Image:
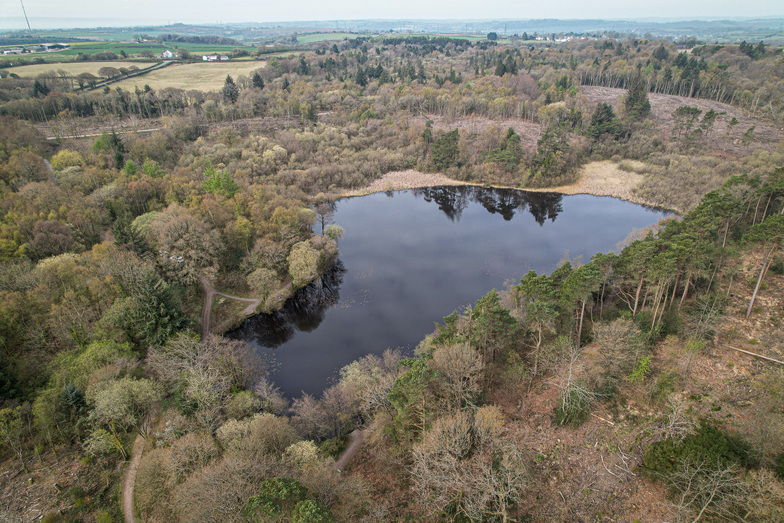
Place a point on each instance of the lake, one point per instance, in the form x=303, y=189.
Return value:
x=409, y=258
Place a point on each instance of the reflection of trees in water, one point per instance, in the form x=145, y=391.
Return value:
x=506, y=202
x=451, y=200
x=544, y=206
x=302, y=312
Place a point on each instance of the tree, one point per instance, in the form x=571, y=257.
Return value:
x=124, y=403
x=258, y=81
x=12, y=429
x=40, y=89
x=492, y=327
x=685, y=118
x=539, y=303
x=186, y=245
x=604, y=121
x=510, y=153
x=219, y=181
x=550, y=158
x=151, y=313
x=361, y=77
x=230, y=90
x=621, y=346
x=445, y=150
x=637, y=104
x=661, y=53
x=459, y=369
x=579, y=287
x=770, y=234
x=50, y=238
x=86, y=79
x=285, y=499
x=303, y=263
x=492, y=36
x=263, y=281
x=206, y=373
x=66, y=158
x=427, y=135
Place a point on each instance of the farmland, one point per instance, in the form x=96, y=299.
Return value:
x=72, y=68
x=202, y=76
x=324, y=37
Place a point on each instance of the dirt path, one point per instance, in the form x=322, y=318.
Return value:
x=356, y=439
x=209, y=296
x=130, y=479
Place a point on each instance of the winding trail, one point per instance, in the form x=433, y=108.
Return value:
x=209, y=296
x=130, y=479
x=356, y=439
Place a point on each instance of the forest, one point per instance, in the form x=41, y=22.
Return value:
x=615, y=387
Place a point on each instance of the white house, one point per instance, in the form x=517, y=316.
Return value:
x=210, y=57
x=167, y=54
x=224, y=57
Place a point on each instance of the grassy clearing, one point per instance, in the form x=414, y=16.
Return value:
x=115, y=47
x=209, y=48
x=324, y=37
x=73, y=68
x=201, y=76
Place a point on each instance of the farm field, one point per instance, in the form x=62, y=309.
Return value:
x=208, y=48
x=73, y=68
x=324, y=37
x=202, y=76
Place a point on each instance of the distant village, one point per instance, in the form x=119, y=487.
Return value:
x=39, y=48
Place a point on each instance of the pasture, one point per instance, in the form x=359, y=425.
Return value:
x=73, y=68
x=324, y=37
x=208, y=76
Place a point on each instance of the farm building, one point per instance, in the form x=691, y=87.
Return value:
x=210, y=57
x=167, y=54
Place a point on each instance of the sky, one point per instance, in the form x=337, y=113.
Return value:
x=210, y=11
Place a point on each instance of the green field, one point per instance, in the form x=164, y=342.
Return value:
x=115, y=47
x=324, y=37
x=132, y=49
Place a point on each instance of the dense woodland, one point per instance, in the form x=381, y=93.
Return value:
x=108, y=244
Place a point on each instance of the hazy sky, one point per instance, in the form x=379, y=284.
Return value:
x=163, y=11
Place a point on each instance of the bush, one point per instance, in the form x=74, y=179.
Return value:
x=708, y=444
x=333, y=447
x=573, y=407
x=66, y=158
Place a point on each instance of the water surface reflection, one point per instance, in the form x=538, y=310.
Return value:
x=410, y=258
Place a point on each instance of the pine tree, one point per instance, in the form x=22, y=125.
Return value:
x=230, y=90
x=637, y=104
x=604, y=121
x=258, y=81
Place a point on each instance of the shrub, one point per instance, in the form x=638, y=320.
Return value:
x=708, y=444
x=66, y=158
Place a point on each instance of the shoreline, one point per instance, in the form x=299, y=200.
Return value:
x=603, y=178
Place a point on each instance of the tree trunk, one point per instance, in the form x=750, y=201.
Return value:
x=685, y=290
x=754, y=221
x=656, y=303
x=637, y=298
x=675, y=287
x=536, y=351
x=765, y=264
x=580, y=330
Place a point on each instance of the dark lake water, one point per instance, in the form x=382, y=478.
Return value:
x=409, y=258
